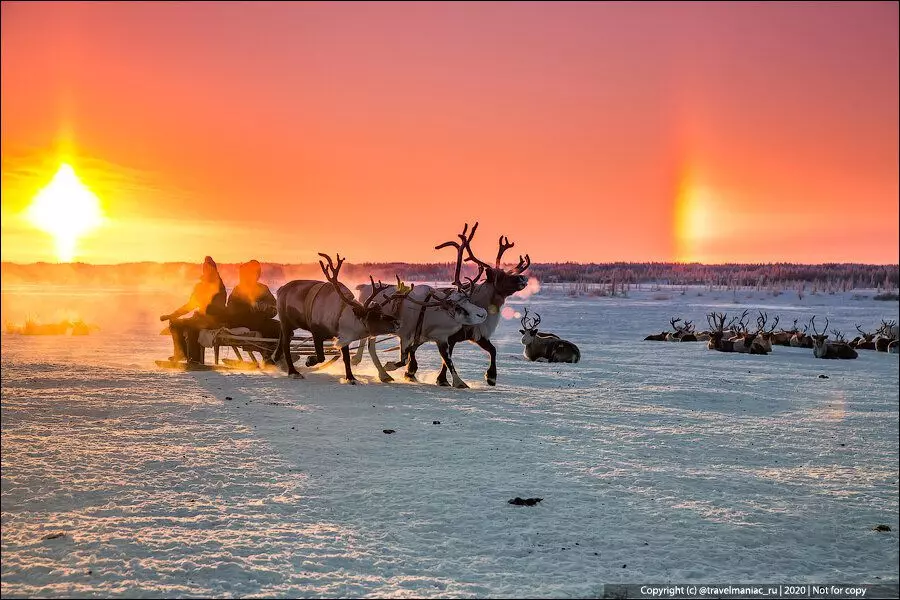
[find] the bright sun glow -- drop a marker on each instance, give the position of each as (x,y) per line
(66,209)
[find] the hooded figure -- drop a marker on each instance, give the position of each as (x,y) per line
(252,304)
(208,301)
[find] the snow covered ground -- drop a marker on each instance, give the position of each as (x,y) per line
(657,462)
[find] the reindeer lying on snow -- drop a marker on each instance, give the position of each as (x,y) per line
(546,347)
(682,333)
(426,315)
(887,333)
(822,348)
(744,344)
(321,309)
(864,342)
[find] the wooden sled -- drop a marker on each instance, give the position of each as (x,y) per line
(300,346)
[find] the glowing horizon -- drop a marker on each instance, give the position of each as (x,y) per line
(588,132)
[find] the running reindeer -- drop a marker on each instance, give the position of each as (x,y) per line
(545,347)
(321,308)
(498,285)
(426,315)
(822,348)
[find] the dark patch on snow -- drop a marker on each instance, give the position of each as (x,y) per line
(882,528)
(388,431)
(524,501)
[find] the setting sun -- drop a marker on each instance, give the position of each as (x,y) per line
(66,209)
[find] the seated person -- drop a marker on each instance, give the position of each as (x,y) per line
(252,304)
(208,300)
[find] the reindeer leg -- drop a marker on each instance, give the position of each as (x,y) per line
(319,344)
(412,367)
(444,350)
(404,356)
(491,374)
(284,347)
(382,374)
(357,358)
(348,374)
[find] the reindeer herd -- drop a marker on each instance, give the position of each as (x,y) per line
(736,336)
(463,312)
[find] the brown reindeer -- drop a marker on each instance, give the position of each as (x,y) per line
(783,337)
(886,335)
(865,342)
(822,348)
(745,344)
(764,336)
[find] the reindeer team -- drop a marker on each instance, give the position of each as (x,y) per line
(418,314)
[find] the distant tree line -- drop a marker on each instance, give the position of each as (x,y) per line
(833,276)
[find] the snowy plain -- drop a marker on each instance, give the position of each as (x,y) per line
(657,462)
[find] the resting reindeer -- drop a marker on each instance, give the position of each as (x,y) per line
(887,333)
(783,337)
(657,337)
(683,333)
(744,344)
(426,315)
(546,347)
(764,337)
(865,342)
(800,339)
(498,285)
(321,308)
(822,348)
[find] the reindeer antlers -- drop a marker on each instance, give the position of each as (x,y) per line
(463,244)
(530,324)
(331,274)
(812,323)
(504,246)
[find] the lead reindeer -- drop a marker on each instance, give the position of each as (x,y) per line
(491,294)
(322,309)
(545,347)
(426,315)
(822,348)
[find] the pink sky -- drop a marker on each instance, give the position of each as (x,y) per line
(584,131)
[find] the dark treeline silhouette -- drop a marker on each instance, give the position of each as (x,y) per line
(149,274)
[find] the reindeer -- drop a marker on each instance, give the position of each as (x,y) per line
(866,342)
(801,340)
(764,337)
(545,347)
(498,285)
(684,333)
(426,315)
(321,308)
(657,337)
(894,347)
(783,337)
(887,333)
(744,344)
(822,348)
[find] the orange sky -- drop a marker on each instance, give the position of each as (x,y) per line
(583,131)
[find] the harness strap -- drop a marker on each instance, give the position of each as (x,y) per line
(421,320)
(310,300)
